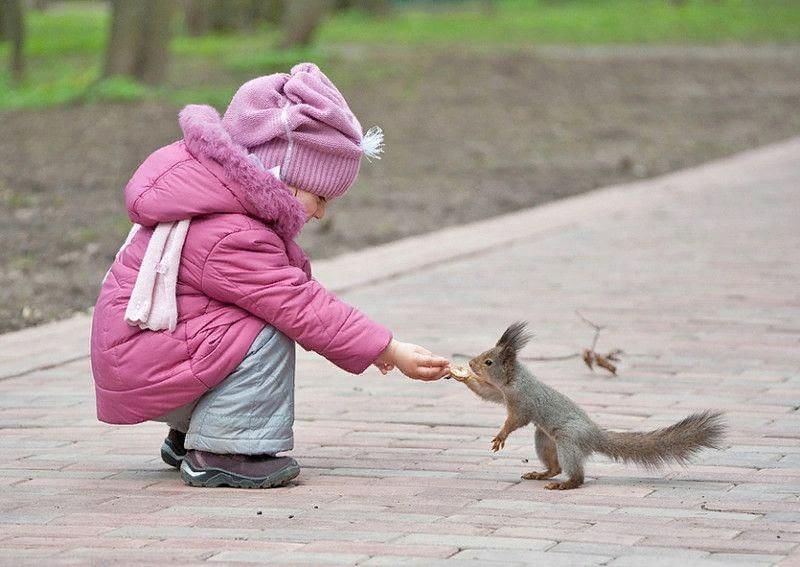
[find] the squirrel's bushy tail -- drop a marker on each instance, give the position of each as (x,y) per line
(677,443)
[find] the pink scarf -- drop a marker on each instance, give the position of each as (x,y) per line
(153,303)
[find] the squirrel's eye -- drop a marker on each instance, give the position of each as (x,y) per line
(488,362)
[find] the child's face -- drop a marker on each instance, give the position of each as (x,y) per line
(315,206)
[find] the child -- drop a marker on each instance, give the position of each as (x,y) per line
(196,320)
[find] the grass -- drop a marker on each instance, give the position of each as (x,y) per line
(516,22)
(65,45)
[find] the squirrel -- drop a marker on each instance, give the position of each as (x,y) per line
(565,435)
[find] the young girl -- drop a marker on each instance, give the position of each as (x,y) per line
(196,320)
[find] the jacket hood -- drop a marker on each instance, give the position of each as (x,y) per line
(206,173)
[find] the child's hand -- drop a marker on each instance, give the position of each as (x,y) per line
(412,360)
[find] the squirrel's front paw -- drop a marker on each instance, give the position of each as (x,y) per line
(498,443)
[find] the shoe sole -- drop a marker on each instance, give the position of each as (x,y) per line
(169,456)
(213,478)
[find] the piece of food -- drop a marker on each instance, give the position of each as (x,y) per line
(459,372)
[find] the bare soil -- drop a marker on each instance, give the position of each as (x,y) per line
(469,134)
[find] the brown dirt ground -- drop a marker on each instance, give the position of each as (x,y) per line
(469,134)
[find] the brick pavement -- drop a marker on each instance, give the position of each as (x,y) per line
(695,274)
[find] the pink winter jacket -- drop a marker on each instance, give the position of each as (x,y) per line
(240,270)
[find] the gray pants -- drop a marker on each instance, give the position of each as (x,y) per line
(251,412)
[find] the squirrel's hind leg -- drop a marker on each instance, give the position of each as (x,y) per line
(571,459)
(546,450)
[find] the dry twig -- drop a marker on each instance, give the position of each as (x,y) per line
(590,355)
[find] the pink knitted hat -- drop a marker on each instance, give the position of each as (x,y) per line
(302,123)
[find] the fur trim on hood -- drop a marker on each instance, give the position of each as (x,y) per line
(270,198)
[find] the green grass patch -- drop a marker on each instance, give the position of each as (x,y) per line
(115,89)
(68,30)
(65,44)
(218,97)
(521,22)
(47,84)
(274,61)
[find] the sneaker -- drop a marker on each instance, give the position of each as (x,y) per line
(172,451)
(201,468)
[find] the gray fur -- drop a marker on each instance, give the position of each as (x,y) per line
(485,391)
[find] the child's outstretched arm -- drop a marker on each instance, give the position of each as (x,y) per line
(250,268)
(412,360)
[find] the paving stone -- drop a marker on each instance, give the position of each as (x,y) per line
(491,542)
(749,546)
(774,535)
(635,561)
(504,556)
(746,558)
(684,513)
(267,533)
(373,549)
(604,549)
(675,554)
(138,556)
(294,557)
(392,560)
(677,528)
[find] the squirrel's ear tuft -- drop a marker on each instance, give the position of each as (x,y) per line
(515,337)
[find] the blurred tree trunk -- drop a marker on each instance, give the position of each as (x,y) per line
(226,15)
(204,16)
(154,49)
(380,8)
(13,22)
(301,19)
(123,43)
(2,20)
(198,17)
(268,10)
(138,45)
